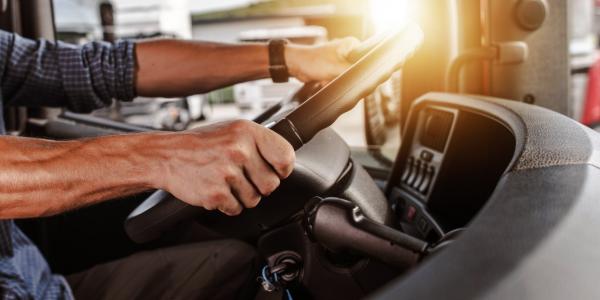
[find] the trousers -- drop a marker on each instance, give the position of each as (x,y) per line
(224,269)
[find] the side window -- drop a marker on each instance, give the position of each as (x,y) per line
(230,21)
(81,21)
(77,22)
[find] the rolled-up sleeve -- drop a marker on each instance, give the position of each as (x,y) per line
(81,78)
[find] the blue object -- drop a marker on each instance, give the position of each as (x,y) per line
(44,73)
(272,280)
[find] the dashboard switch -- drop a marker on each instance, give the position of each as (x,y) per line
(422,175)
(416,172)
(429,174)
(408,169)
(426,156)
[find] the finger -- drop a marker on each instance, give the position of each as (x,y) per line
(228,204)
(243,190)
(276,151)
(261,174)
(346,46)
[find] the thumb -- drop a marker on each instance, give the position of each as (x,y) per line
(346,45)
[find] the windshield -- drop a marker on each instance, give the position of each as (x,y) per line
(235,21)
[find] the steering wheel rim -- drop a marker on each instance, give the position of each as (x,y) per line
(345,91)
(379,58)
(297,98)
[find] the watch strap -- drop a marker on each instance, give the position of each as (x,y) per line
(277,64)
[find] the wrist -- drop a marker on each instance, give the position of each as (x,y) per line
(148,154)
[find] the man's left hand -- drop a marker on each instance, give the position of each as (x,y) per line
(322,62)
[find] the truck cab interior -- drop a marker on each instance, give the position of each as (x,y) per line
(491,195)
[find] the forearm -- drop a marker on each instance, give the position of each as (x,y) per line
(169,68)
(179,68)
(41,177)
(208,167)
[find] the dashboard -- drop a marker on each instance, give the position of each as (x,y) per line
(450,162)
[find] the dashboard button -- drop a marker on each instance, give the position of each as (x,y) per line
(426,156)
(411,212)
(428,179)
(422,175)
(416,172)
(408,169)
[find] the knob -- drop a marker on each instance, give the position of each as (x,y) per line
(531,14)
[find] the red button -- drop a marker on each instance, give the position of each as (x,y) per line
(410,213)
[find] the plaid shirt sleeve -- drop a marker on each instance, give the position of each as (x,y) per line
(82,78)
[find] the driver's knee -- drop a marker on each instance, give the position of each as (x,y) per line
(223,269)
(233,268)
(233,256)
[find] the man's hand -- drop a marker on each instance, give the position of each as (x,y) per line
(227,166)
(321,62)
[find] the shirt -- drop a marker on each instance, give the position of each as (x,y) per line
(45,73)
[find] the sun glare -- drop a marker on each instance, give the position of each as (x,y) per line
(390,14)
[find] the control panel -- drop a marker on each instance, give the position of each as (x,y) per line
(427,150)
(450,161)
(423,162)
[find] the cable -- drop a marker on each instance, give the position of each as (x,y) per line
(271,283)
(289,294)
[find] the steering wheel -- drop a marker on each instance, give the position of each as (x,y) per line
(376,60)
(312,87)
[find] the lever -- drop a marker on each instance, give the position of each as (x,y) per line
(339,225)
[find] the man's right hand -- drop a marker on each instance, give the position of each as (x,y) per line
(227,166)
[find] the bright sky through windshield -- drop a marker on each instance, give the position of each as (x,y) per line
(388,14)
(210,5)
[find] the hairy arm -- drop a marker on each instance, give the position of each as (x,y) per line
(178,68)
(226,166)
(42,177)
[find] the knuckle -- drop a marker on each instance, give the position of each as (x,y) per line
(238,154)
(289,157)
(227,173)
(207,203)
(230,145)
(270,185)
(231,211)
(217,198)
(240,126)
(225,210)
(285,164)
(254,202)
(237,210)
(209,206)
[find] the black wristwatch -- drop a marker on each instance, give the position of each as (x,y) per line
(277,66)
